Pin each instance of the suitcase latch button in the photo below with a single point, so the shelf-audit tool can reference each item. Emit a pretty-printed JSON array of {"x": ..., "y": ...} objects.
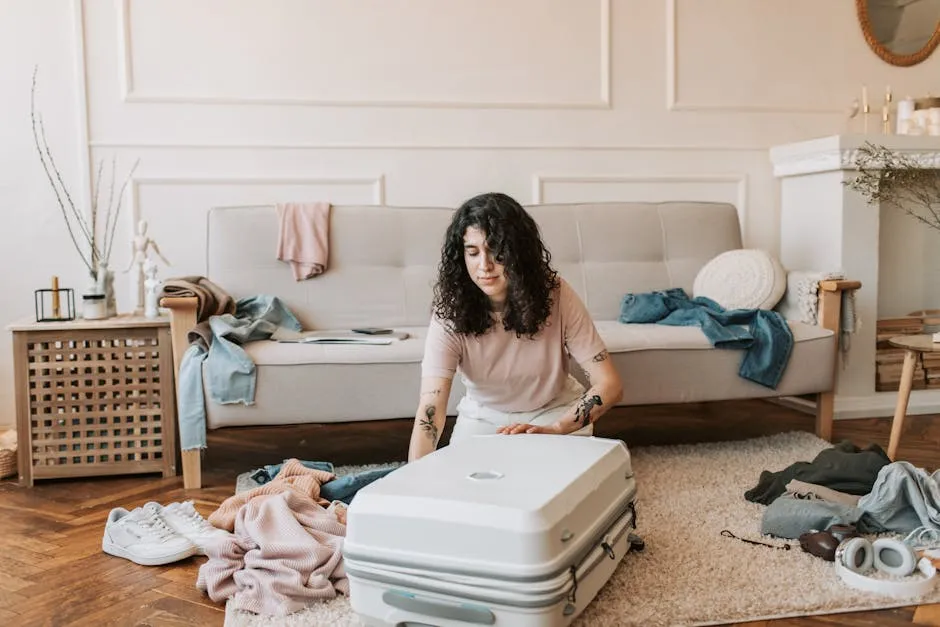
[
  {"x": 566, "y": 535},
  {"x": 608, "y": 549}
]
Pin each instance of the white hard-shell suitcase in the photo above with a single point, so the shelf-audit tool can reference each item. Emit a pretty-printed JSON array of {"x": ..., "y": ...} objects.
[{"x": 519, "y": 530}]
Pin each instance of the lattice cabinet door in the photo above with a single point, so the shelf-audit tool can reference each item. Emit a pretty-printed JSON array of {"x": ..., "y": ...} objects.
[{"x": 95, "y": 399}]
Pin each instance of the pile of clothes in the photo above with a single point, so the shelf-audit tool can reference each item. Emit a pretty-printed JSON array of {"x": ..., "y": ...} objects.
[
  {"x": 846, "y": 485},
  {"x": 285, "y": 549}
]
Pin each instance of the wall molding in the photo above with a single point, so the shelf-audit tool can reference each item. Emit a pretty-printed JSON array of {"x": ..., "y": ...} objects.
[
  {"x": 376, "y": 182},
  {"x": 672, "y": 80},
  {"x": 129, "y": 93},
  {"x": 150, "y": 145},
  {"x": 739, "y": 179}
]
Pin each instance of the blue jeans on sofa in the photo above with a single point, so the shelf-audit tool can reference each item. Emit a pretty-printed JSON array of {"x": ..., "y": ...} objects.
[{"x": 764, "y": 335}]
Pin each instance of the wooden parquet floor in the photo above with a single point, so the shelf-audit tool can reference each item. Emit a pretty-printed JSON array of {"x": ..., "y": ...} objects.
[{"x": 54, "y": 573}]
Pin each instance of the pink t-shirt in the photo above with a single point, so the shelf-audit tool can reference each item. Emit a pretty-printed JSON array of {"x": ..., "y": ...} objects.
[{"x": 509, "y": 373}]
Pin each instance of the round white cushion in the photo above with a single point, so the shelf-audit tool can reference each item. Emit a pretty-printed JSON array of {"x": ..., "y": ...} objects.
[{"x": 742, "y": 279}]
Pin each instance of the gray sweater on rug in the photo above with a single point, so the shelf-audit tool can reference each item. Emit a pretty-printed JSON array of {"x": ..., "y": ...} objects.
[{"x": 844, "y": 467}]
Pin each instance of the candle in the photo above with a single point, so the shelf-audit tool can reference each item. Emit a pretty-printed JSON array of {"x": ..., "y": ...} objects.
[
  {"x": 865, "y": 99},
  {"x": 55, "y": 297}
]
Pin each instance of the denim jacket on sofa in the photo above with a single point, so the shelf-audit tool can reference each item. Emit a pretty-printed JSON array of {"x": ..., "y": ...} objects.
[
  {"x": 230, "y": 372},
  {"x": 764, "y": 335}
]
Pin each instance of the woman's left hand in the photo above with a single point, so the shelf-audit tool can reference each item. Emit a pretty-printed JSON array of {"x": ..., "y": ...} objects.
[{"x": 518, "y": 427}]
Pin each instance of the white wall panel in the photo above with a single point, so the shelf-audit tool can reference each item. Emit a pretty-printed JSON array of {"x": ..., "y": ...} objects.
[
  {"x": 409, "y": 102},
  {"x": 34, "y": 243},
  {"x": 614, "y": 63},
  {"x": 600, "y": 188},
  {"x": 523, "y": 53},
  {"x": 446, "y": 177},
  {"x": 799, "y": 56}
]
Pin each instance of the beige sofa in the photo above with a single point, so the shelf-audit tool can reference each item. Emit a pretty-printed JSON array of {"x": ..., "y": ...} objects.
[{"x": 383, "y": 261}]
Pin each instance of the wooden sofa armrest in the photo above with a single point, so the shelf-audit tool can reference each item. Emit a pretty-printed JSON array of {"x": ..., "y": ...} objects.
[
  {"x": 829, "y": 316},
  {"x": 182, "y": 320},
  {"x": 840, "y": 285}
]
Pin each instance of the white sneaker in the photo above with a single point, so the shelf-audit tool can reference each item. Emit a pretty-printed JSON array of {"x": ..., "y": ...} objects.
[
  {"x": 143, "y": 538},
  {"x": 189, "y": 523}
]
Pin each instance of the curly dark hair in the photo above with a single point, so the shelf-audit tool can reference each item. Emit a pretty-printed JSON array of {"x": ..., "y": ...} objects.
[{"x": 514, "y": 238}]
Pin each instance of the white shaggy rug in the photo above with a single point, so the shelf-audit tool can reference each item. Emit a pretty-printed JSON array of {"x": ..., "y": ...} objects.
[{"x": 689, "y": 573}]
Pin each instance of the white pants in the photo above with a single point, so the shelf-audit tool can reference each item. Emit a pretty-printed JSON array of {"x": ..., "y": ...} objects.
[{"x": 476, "y": 419}]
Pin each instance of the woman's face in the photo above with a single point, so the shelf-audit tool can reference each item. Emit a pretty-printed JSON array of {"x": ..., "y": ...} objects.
[{"x": 488, "y": 275}]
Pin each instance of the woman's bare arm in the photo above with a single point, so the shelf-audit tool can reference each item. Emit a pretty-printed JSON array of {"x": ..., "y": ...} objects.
[
  {"x": 430, "y": 417},
  {"x": 604, "y": 392}
]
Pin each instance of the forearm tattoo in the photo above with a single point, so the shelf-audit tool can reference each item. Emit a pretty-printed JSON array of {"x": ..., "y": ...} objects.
[
  {"x": 583, "y": 411},
  {"x": 427, "y": 423},
  {"x": 601, "y": 356}
]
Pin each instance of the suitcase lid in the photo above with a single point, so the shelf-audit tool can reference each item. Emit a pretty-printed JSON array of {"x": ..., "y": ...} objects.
[{"x": 516, "y": 507}]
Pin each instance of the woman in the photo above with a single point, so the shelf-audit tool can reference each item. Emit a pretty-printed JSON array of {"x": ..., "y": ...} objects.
[{"x": 505, "y": 319}]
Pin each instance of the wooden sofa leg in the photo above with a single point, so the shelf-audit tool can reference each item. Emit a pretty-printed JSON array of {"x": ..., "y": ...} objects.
[
  {"x": 825, "y": 407},
  {"x": 183, "y": 316},
  {"x": 192, "y": 471},
  {"x": 829, "y": 317}
]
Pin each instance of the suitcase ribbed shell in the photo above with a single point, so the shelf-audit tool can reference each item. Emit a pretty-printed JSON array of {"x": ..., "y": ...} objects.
[{"x": 518, "y": 508}]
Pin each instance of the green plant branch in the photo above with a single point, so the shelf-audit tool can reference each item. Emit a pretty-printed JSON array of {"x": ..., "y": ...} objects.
[
  {"x": 49, "y": 176},
  {"x": 89, "y": 234},
  {"x": 886, "y": 177},
  {"x": 99, "y": 247},
  {"x": 117, "y": 211},
  {"x": 107, "y": 219},
  {"x": 94, "y": 201}
]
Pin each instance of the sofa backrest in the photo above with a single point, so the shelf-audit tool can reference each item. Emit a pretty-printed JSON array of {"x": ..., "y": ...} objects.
[{"x": 383, "y": 260}]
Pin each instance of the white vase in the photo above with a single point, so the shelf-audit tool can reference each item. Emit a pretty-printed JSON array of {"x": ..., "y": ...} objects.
[{"x": 104, "y": 284}]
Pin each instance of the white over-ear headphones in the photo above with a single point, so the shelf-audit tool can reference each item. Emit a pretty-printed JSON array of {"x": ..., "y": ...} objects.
[{"x": 857, "y": 556}]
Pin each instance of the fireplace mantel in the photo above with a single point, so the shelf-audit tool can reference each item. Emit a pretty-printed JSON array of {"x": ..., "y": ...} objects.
[
  {"x": 838, "y": 152},
  {"x": 826, "y": 226}
]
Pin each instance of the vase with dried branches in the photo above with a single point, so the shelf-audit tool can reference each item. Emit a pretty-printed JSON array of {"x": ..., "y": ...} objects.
[
  {"x": 884, "y": 176},
  {"x": 91, "y": 231}
]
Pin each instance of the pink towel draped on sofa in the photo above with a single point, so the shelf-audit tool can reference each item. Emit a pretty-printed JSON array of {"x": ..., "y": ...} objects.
[{"x": 303, "y": 237}]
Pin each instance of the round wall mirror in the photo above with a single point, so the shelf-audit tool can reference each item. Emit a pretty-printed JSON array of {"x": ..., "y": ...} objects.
[{"x": 902, "y": 32}]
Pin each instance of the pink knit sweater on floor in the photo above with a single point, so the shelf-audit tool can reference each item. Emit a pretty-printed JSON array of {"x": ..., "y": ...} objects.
[
  {"x": 292, "y": 476},
  {"x": 286, "y": 552}
]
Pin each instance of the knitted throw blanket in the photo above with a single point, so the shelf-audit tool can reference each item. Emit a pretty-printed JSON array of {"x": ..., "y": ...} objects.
[{"x": 806, "y": 286}]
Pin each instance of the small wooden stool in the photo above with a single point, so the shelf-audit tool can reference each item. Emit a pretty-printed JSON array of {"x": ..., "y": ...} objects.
[{"x": 914, "y": 346}]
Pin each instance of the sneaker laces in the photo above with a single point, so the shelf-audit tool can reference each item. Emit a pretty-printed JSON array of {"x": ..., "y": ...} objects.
[
  {"x": 194, "y": 518},
  {"x": 153, "y": 525}
]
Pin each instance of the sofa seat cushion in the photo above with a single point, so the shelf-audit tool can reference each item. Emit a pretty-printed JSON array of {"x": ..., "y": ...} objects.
[
  {"x": 409, "y": 350},
  {"x": 618, "y": 338},
  {"x": 310, "y": 383},
  {"x": 621, "y": 337},
  {"x": 660, "y": 364}
]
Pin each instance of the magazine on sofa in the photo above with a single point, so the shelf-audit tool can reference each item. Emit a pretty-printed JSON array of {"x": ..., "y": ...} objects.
[{"x": 338, "y": 337}]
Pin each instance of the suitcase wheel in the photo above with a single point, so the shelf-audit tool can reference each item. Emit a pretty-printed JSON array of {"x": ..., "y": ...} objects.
[{"x": 636, "y": 542}]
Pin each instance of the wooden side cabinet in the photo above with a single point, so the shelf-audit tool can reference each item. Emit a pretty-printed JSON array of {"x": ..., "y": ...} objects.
[{"x": 94, "y": 397}]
